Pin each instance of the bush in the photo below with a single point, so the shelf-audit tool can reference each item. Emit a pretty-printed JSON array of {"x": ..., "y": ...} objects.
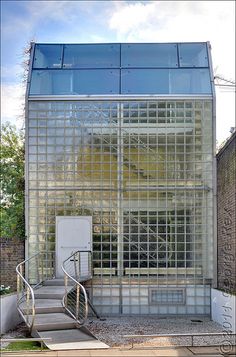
[
  {"x": 5, "y": 290},
  {"x": 12, "y": 182}
]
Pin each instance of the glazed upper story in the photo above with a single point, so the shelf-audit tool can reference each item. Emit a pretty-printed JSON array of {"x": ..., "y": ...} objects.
[{"x": 121, "y": 69}]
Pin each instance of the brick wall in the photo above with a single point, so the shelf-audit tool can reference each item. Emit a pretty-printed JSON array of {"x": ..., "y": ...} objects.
[
  {"x": 226, "y": 215},
  {"x": 12, "y": 253}
]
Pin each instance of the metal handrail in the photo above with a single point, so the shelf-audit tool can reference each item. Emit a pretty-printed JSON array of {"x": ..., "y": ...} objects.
[
  {"x": 75, "y": 289},
  {"x": 19, "y": 271},
  {"x": 27, "y": 291}
]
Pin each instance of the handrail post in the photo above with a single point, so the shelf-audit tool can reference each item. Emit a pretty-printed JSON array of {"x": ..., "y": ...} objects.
[
  {"x": 76, "y": 265},
  {"x": 27, "y": 304},
  {"x": 42, "y": 270},
  {"x": 90, "y": 263},
  {"x": 37, "y": 267},
  {"x": 18, "y": 287},
  {"x": 21, "y": 282},
  {"x": 66, "y": 282},
  {"x": 77, "y": 301}
]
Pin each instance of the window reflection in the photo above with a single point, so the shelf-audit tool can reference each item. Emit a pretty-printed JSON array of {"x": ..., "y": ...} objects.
[
  {"x": 193, "y": 55},
  {"x": 166, "y": 81},
  {"x": 48, "y": 56},
  {"x": 91, "y": 56},
  {"x": 133, "y": 81},
  {"x": 149, "y": 55},
  {"x": 69, "y": 82}
]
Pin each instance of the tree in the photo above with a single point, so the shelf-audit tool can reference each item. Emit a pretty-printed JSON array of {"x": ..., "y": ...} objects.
[{"x": 12, "y": 182}]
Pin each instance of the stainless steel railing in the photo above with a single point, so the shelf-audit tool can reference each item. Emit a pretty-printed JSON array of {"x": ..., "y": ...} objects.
[
  {"x": 38, "y": 268},
  {"x": 77, "y": 268}
]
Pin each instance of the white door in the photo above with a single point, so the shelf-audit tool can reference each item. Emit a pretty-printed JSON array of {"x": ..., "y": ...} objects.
[{"x": 72, "y": 234}]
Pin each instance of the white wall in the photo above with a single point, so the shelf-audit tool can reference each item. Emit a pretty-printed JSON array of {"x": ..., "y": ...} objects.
[
  {"x": 223, "y": 309},
  {"x": 9, "y": 315}
]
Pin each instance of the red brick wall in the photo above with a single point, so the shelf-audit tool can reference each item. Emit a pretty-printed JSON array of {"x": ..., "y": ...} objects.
[
  {"x": 12, "y": 253},
  {"x": 226, "y": 215}
]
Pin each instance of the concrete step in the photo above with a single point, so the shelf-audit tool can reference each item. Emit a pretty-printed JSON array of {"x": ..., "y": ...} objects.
[
  {"x": 43, "y": 306},
  {"x": 49, "y": 292},
  {"x": 84, "y": 278},
  {"x": 56, "y": 282},
  {"x": 71, "y": 339},
  {"x": 53, "y": 321},
  {"x": 60, "y": 281}
]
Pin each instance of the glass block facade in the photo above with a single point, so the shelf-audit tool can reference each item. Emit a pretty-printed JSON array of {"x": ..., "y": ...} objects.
[{"x": 140, "y": 165}]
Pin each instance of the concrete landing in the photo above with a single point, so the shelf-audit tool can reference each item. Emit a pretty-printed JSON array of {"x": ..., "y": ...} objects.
[{"x": 74, "y": 339}]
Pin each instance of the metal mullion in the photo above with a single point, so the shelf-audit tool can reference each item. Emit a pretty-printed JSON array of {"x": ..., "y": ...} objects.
[
  {"x": 176, "y": 240},
  {"x": 185, "y": 220},
  {"x": 194, "y": 205},
  {"x": 194, "y": 255},
  {"x": 175, "y": 206},
  {"x": 120, "y": 201}
]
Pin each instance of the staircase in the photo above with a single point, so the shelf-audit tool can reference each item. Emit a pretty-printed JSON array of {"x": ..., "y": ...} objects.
[{"x": 57, "y": 308}]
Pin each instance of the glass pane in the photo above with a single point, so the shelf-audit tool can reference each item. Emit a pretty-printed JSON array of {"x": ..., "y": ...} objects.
[
  {"x": 148, "y": 81},
  {"x": 193, "y": 55},
  {"x": 165, "y": 81},
  {"x": 190, "y": 81},
  {"x": 101, "y": 81},
  {"x": 149, "y": 55},
  {"x": 91, "y": 56},
  {"x": 47, "y": 56},
  {"x": 48, "y": 82},
  {"x": 67, "y": 82}
]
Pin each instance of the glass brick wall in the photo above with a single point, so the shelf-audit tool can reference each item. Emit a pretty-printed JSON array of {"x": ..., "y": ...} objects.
[{"x": 143, "y": 170}]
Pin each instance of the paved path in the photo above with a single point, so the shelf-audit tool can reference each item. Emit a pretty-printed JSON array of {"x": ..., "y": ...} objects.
[{"x": 119, "y": 352}]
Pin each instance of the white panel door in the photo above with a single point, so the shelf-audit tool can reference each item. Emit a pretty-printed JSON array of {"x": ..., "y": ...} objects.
[{"x": 73, "y": 233}]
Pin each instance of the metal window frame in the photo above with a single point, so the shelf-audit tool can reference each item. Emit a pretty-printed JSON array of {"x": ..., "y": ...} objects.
[{"x": 120, "y": 97}]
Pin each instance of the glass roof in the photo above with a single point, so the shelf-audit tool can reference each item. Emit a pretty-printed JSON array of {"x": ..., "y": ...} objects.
[{"x": 136, "y": 68}]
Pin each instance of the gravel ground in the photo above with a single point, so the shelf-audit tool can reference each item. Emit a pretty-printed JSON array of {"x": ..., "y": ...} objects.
[
  {"x": 112, "y": 330},
  {"x": 20, "y": 331}
]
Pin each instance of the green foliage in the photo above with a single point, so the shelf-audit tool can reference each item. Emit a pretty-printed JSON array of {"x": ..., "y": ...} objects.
[
  {"x": 12, "y": 182},
  {"x": 24, "y": 346},
  {"x": 4, "y": 290}
]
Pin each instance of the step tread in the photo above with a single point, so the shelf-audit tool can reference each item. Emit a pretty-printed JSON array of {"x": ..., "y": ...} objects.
[
  {"x": 50, "y": 290},
  {"x": 56, "y": 282},
  {"x": 52, "y": 318},
  {"x": 60, "y": 281},
  {"x": 44, "y": 303}
]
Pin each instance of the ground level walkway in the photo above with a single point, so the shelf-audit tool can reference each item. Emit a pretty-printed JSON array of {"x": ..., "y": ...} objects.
[{"x": 134, "y": 352}]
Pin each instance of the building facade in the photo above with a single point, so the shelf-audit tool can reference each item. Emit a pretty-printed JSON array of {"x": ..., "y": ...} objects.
[
  {"x": 226, "y": 215},
  {"x": 125, "y": 133}
]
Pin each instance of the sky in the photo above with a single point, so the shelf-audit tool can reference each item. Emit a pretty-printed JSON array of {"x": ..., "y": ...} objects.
[{"x": 116, "y": 21}]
